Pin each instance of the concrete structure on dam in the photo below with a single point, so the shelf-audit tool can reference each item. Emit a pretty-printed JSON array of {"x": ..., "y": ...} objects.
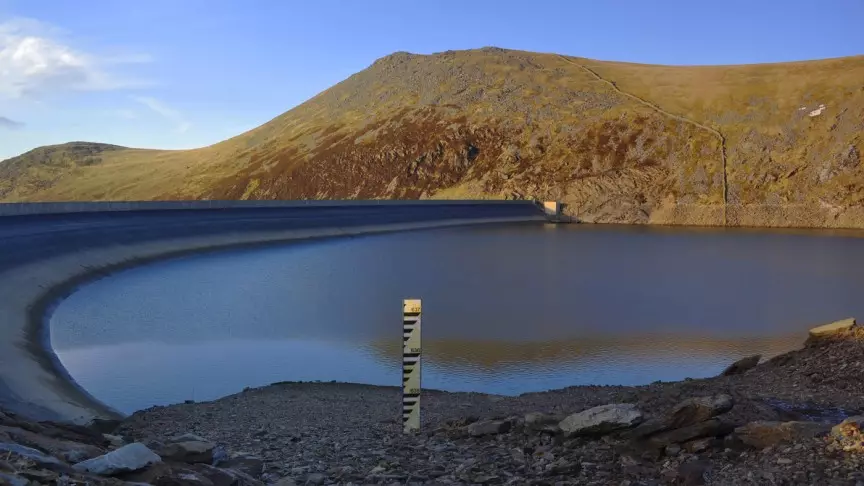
[{"x": 48, "y": 249}]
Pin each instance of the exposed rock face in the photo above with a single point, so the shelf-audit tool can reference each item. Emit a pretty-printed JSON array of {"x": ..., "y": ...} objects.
[
  {"x": 742, "y": 365},
  {"x": 601, "y": 420},
  {"x": 128, "y": 458},
  {"x": 628, "y": 143},
  {"x": 767, "y": 434}
]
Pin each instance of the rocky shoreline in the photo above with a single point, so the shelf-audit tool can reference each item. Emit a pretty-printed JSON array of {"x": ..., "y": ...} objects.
[{"x": 790, "y": 420}]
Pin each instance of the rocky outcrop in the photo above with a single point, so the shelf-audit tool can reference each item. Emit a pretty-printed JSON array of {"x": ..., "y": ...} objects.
[{"x": 832, "y": 329}]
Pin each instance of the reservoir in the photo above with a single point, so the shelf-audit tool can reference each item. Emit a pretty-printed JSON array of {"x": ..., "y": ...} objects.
[{"x": 508, "y": 309}]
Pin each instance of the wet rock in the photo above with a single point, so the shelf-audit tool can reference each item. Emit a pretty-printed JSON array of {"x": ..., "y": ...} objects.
[
  {"x": 761, "y": 434},
  {"x": 699, "y": 409},
  {"x": 488, "y": 427},
  {"x": 742, "y": 365},
  {"x": 832, "y": 329},
  {"x": 285, "y": 482},
  {"x": 848, "y": 433},
  {"x": 189, "y": 451},
  {"x": 601, "y": 420},
  {"x": 246, "y": 463},
  {"x": 128, "y": 458}
]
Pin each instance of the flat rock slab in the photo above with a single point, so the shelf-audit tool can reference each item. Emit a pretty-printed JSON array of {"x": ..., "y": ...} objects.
[
  {"x": 128, "y": 458},
  {"x": 833, "y": 328},
  {"x": 601, "y": 420}
]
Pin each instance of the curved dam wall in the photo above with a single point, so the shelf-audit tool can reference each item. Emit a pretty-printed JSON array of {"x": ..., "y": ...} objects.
[{"x": 48, "y": 249}]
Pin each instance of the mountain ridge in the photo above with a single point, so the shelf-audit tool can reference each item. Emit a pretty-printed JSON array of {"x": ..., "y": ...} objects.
[{"x": 617, "y": 142}]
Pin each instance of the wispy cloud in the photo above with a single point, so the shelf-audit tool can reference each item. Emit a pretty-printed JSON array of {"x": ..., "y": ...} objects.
[
  {"x": 36, "y": 60},
  {"x": 125, "y": 114},
  {"x": 8, "y": 124},
  {"x": 181, "y": 124}
]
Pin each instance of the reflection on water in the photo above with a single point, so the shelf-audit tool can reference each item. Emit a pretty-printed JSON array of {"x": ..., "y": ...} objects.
[{"x": 507, "y": 309}]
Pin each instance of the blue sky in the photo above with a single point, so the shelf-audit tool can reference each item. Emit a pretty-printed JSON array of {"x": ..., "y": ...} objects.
[{"x": 189, "y": 73}]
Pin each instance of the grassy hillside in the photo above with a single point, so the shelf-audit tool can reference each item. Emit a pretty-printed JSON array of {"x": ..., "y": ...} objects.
[{"x": 618, "y": 142}]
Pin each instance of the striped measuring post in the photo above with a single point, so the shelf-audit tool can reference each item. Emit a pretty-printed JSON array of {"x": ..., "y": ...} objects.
[{"x": 411, "y": 311}]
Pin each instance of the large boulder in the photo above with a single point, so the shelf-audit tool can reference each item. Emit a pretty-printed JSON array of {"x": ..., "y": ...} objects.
[
  {"x": 699, "y": 409},
  {"x": 742, "y": 365},
  {"x": 828, "y": 330},
  {"x": 762, "y": 434},
  {"x": 601, "y": 420},
  {"x": 128, "y": 458}
]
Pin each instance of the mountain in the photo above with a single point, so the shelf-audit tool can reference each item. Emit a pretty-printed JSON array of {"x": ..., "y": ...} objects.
[{"x": 763, "y": 145}]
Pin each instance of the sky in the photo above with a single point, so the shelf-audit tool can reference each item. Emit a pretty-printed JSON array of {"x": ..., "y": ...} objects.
[{"x": 180, "y": 74}]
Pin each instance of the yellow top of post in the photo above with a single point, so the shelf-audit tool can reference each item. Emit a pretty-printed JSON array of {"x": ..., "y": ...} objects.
[{"x": 411, "y": 306}]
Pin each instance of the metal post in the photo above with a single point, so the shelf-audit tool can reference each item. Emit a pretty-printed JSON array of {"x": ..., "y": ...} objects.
[{"x": 411, "y": 310}]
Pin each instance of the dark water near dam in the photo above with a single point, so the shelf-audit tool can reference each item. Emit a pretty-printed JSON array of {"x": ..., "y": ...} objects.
[{"x": 507, "y": 309}]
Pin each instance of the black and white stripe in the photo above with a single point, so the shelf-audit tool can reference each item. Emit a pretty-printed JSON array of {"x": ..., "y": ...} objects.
[{"x": 410, "y": 369}]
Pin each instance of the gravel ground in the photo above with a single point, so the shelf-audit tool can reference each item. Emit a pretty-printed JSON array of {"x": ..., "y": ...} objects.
[{"x": 334, "y": 433}]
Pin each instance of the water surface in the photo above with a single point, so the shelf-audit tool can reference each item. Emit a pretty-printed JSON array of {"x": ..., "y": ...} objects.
[{"x": 507, "y": 309}]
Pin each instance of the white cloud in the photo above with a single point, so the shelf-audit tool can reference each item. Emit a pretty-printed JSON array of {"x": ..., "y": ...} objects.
[
  {"x": 182, "y": 125},
  {"x": 9, "y": 124},
  {"x": 35, "y": 60}
]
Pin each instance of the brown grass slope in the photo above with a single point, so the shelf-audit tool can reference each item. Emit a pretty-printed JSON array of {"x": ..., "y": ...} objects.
[{"x": 618, "y": 142}]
